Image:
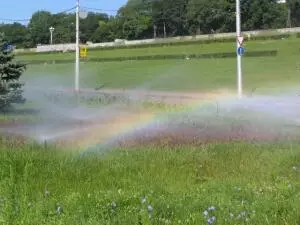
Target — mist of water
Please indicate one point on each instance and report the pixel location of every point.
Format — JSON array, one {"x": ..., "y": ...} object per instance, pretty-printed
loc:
[{"x": 59, "y": 120}]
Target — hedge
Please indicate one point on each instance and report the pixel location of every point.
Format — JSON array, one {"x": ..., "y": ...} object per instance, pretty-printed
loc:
[
  {"x": 159, "y": 57},
  {"x": 174, "y": 43}
]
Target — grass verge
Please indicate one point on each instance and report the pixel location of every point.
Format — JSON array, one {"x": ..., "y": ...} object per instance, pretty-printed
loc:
[
  {"x": 262, "y": 74},
  {"x": 234, "y": 183}
]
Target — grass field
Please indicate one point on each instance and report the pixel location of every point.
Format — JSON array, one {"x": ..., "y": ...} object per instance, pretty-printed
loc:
[
  {"x": 261, "y": 73},
  {"x": 197, "y": 48},
  {"x": 243, "y": 183},
  {"x": 200, "y": 48},
  {"x": 190, "y": 164}
]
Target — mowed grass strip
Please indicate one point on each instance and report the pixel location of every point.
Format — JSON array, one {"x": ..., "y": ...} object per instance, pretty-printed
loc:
[
  {"x": 262, "y": 74},
  {"x": 256, "y": 45}
]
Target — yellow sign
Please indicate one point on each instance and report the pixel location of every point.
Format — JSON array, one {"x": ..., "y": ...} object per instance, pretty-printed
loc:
[{"x": 83, "y": 51}]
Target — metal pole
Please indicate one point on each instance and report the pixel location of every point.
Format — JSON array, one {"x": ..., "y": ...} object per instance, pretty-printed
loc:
[
  {"x": 51, "y": 37},
  {"x": 77, "y": 49},
  {"x": 239, "y": 58}
]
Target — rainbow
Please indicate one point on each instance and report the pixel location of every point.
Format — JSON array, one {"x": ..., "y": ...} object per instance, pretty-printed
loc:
[{"x": 99, "y": 136}]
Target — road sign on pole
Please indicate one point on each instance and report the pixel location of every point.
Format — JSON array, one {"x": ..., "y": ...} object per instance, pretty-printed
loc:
[
  {"x": 241, "y": 51},
  {"x": 240, "y": 40},
  {"x": 239, "y": 43},
  {"x": 83, "y": 14},
  {"x": 7, "y": 47},
  {"x": 83, "y": 51}
]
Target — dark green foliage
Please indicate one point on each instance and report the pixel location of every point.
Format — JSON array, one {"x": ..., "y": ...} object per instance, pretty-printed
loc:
[
  {"x": 106, "y": 31},
  {"x": 10, "y": 72},
  {"x": 39, "y": 27},
  {"x": 17, "y": 34},
  {"x": 262, "y": 14},
  {"x": 140, "y": 19},
  {"x": 294, "y": 7},
  {"x": 90, "y": 25}
]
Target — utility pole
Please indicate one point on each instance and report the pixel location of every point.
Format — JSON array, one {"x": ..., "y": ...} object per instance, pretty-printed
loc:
[
  {"x": 288, "y": 21},
  {"x": 51, "y": 29},
  {"x": 239, "y": 47},
  {"x": 77, "y": 49}
]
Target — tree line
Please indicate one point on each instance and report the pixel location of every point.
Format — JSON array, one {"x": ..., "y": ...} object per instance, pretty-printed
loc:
[{"x": 140, "y": 19}]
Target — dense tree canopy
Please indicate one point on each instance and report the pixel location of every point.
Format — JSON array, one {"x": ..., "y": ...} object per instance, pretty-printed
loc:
[
  {"x": 10, "y": 73},
  {"x": 140, "y": 19}
]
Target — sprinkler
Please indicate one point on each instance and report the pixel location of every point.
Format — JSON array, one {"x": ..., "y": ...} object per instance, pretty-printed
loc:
[
  {"x": 45, "y": 144},
  {"x": 218, "y": 108},
  {"x": 99, "y": 87}
]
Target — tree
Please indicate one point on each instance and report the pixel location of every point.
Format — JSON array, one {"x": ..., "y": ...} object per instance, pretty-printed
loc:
[
  {"x": 39, "y": 27},
  {"x": 294, "y": 10},
  {"x": 89, "y": 25},
  {"x": 136, "y": 21},
  {"x": 64, "y": 25},
  {"x": 16, "y": 33},
  {"x": 195, "y": 17},
  {"x": 169, "y": 17},
  {"x": 262, "y": 14},
  {"x": 140, "y": 19},
  {"x": 10, "y": 72},
  {"x": 107, "y": 31}
]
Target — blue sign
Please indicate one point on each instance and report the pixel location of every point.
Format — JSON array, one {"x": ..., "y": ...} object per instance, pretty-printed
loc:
[
  {"x": 241, "y": 51},
  {"x": 7, "y": 47}
]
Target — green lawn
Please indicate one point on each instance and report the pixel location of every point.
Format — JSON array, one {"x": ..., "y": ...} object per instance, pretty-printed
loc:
[
  {"x": 179, "y": 49},
  {"x": 241, "y": 183},
  {"x": 247, "y": 184},
  {"x": 194, "y": 75},
  {"x": 184, "y": 49},
  {"x": 261, "y": 73}
]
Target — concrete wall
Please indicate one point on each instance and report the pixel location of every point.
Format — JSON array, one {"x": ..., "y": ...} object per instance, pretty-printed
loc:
[
  {"x": 57, "y": 47},
  {"x": 71, "y": 46},
  {"x": 20, "y": 50}
]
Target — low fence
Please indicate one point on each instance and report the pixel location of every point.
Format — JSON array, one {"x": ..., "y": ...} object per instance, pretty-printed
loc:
[{"x": 124, "y": 43}]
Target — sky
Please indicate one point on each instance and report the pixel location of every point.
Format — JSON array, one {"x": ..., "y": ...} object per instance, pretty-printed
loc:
[{"x": 23, "y": 9}]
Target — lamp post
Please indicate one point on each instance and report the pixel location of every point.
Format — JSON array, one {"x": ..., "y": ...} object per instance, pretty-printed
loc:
[{"x": 51, "y": 29}]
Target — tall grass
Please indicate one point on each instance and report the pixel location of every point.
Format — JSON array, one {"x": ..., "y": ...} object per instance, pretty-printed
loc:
[{"x": 235, "y": 183}]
